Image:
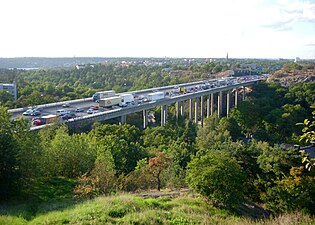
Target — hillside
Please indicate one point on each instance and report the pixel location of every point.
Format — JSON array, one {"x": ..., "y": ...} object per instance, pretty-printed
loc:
[
  {"x": 287, "y": 77},
  {"x": 130, "y": 209}
]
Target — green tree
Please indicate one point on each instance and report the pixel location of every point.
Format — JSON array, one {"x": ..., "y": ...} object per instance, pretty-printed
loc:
[
  {"x": 295, "y": 192},
  {"x": 5, "y": 97},
  {"x": 218, "y": 177},
  {"x": 123, "y": 141},
  {"x": 211, "y": 135},
  {"x": 9, "y": 173},
  {"x": 101, "y": 179},
  {"x": 309, "y": 137},
  {"x": 69, "y": 156}
]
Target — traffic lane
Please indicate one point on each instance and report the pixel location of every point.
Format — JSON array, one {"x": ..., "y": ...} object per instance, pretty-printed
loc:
[
  {"x": 53, "y": 109},
  {"x": 72, "y": 107}
]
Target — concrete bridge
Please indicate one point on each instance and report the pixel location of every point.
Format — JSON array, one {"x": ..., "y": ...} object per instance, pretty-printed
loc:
[{"x": 203, "y": 101}]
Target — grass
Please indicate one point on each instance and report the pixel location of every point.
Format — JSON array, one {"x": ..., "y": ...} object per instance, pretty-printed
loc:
[
  {"x": 49, "y": 202},
  {"x": 130, "y": 209}
]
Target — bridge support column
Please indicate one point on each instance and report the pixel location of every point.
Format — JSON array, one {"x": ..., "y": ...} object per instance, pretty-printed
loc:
[
  {"x": 208, "y": 106},
  {"x": 243, "y": 93},
  {"x": 162, "y": 115},
  {"x": 123, "y": 119},
  {"x": 166, "y": 112},
  {"x": 182, "y": 108},
  {"x": 190, "y": 109},
  {"x": 177, "y": 109},
  {"x": 236, "y": 98},
  {"x": 220, "y": 104},
  {"x": 211, "y": 103},
  {"x": 227, "y": 104},
  {"x": 196, "y": 110},
  {"x": 201, "y": 110},
  {"x": 145, "y": 118}
]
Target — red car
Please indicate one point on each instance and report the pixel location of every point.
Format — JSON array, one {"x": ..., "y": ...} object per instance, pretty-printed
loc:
[
  {"x": 37, "y": 122},
  {"x": 94, "y": 107}
]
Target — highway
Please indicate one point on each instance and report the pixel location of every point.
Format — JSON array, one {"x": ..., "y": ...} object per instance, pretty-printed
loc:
[{"x": 87, "y": 103}]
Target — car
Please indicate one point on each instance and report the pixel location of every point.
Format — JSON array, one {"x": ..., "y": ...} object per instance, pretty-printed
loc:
[
  {"x": 66, "y": 105},
  {"x": 79, "y": 110},
  {"x": 35, "y": 113},
  {"x": 61, "y": 112},
  {"x": 27, "y": 112},
  {"x": 116, "y": 107},
  {"x": 91, "y": 111},
  {"x": 94, "y": 107},
  {"x": 37, "y": 122},
  {"x": 35, "y": 118},
  {"x": 68, "y": 116}
]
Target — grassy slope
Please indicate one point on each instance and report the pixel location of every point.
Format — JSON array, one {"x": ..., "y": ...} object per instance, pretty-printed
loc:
[{"x": 128, "y": 209}]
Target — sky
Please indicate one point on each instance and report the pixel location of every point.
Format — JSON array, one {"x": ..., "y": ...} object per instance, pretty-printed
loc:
[{"x": 158, "y": 28}]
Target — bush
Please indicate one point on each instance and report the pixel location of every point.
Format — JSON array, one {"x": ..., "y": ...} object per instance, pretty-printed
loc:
[
  {"x": 101, "y": 181},
  {"x": 217, "y": 177},
  {"x": 294, "y": 192}
]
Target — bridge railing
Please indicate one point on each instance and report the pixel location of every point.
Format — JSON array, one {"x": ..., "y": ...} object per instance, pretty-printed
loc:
[{"x": 51, "y": 104}]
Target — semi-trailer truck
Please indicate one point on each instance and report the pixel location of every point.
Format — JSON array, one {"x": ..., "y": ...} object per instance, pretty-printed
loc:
[
  {"x": 156, "y": 96},
  {"x": 109, "y": 102},
  {"x": 126, "y": 99},
  {"x": 121, "y": 100},
  {"x": 103, "y": 94}
]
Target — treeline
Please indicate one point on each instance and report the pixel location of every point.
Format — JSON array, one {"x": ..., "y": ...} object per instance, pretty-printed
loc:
[
  {"x": 52, "y": 85},
  {"x": 216, "y": 160},
  {"x": 46, "y": 85}
]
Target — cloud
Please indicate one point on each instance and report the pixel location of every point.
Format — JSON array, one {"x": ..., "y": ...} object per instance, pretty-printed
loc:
[
  {"x": 284, "y": 14},
  {"x": 280, "y": 25},
  {"x": 310, "y": 45}
]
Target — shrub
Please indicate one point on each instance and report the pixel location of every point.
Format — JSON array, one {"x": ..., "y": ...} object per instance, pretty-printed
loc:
[{"x": 217, "y": 177}]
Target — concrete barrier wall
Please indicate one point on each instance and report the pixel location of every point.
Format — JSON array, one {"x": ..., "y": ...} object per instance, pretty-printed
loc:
[{"x": 51, "y": 104}]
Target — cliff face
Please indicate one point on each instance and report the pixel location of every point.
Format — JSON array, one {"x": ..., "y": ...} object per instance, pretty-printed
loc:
[{"x": 287, "y": 78}]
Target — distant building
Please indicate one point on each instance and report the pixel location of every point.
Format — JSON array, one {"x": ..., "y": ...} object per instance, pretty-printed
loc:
[
  {"x": 297, "y": 59},
  {"x": 246, "y": 72},
  {"x": 82, "y": 66},
  {"x": 249, "y": 65},
  {"x": 167, "y": 69},
  {"x": 10, "y": 88}
]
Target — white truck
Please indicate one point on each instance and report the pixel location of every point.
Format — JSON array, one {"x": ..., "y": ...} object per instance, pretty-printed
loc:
[
  {"x": 126, "y": 99},
  {"x": 156, "y": 96},
  {"x": 103, "y": 94},
  {"x": 110, "y": 101},
  {"x": 122, "y": 100}
]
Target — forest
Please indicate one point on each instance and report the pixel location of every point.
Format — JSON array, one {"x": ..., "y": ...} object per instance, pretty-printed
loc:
[
  {"x": 42, "y": 86},
  {"x": 252, "y": 156}
]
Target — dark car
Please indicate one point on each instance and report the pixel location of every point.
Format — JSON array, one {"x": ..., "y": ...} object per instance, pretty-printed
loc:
[
  {"x": 79, "y": 109},
  {"x": 68, "y": 116},
  {"x": 66, "y": 105}
]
